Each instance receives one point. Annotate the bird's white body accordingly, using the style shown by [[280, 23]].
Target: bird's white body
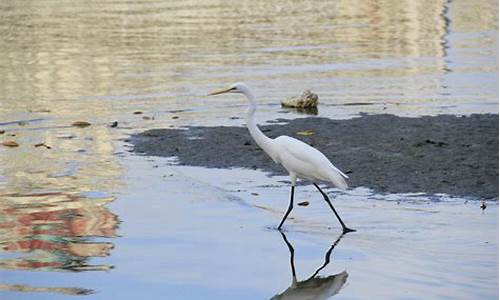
[[298, 158], [304, 161]]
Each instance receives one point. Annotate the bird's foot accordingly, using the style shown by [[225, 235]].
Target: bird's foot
[[347, 230], [280, 229]]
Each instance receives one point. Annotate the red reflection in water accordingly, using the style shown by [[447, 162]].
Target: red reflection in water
[[56, 231]]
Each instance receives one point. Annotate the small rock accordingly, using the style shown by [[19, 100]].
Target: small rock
[[80, 124], [147, 118], [2, 131], [138, 112], [255, 194], [308, 99], [10, 144], [114, 124], [175, 117], [305, 203]]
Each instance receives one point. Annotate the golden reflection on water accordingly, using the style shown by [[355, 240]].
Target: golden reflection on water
[[170, 51]]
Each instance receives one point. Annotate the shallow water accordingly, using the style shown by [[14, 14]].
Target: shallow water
[[85, 218]]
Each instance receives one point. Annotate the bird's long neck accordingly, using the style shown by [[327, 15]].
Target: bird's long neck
[[260, 138]]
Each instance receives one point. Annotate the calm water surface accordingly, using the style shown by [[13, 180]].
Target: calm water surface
[[62, 209]]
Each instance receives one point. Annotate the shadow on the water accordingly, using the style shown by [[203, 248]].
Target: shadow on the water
[[314, 287]]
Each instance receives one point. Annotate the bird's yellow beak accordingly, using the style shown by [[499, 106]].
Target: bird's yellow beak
[[219, 92]]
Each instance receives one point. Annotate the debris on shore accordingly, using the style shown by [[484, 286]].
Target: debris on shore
[[483, 205], [307, 102], [10, 144], [80, 124]]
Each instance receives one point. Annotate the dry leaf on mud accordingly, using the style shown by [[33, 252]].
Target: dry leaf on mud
[[306, 132], [80, 124], [10, 144], [305, 203]]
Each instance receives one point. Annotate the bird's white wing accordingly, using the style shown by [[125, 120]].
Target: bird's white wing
[[305, 153]]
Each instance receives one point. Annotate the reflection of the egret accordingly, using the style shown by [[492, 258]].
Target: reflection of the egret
[[55, 230], [314, 287]]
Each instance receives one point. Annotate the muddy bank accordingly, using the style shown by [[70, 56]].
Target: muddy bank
[[442, 154]]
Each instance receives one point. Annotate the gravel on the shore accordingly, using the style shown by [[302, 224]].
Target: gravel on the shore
[[456, 155]]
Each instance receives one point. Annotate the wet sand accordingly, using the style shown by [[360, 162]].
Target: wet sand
[[455, 155]]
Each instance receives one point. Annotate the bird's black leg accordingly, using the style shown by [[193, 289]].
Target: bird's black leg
[[345, 229], [289, 209]]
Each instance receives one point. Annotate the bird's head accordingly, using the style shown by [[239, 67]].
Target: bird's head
[[238, 87]]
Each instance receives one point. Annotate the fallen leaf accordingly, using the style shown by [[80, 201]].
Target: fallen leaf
[[138, 112], [255, 194], [80, 124], [146, 118], [10, 144], [305, 203], [306, 132], [43, 110], [114, 124], [175, 117]]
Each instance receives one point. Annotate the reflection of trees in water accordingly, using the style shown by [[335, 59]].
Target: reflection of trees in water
[[55, 230], [315, 287]]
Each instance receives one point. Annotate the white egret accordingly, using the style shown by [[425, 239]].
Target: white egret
[[298, 158]]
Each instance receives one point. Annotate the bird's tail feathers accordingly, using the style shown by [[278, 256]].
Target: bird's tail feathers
[[337, 178], [341, 173]]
